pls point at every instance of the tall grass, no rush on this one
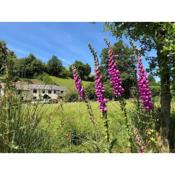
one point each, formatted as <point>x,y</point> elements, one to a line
<point>65,127</point>
<point>20,126</point>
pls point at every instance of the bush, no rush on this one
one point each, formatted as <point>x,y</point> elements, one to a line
<point>108,91</point>
<point>155,90</point>
<point>90,91</point>
<point>71,96</point>
<point>46,79</point>
<point>65,73</point>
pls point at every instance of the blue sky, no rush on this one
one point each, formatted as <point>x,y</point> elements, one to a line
<point>68,41</point>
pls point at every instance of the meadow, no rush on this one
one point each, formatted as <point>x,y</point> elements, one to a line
<point>71,130</point>
<point>66,127</point>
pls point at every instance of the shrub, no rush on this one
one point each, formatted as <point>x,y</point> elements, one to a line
<point>71,96</point>
<point>155,90</point>
<point>46,79</point>
<point>90,91</point>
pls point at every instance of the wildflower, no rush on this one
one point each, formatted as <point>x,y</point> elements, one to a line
<point>99,90</point>
<point>114,75</point>
<point>82,94</point>
<point>78,83</point>
<point>143,87</point>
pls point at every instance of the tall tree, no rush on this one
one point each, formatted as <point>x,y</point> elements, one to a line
<point>29,67</point>
<point>159,36</point>
<point>3,56</point>
<point>54,66</point>
<point>7,61</point>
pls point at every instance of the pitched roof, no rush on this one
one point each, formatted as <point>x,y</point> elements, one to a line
<point>39,87</point>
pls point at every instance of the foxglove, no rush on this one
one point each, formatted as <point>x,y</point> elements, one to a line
<point>78,83</point>
<point>143,87</point>
<point>99,88</point>
<point>114,75</point>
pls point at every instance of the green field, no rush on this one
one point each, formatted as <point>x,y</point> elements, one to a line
<point>64,127</point>
<point>48,79</point>
<point>71,120</point>
<point>69,83</point>
<point>72,131</point>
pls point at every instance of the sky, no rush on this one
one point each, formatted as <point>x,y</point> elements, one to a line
<point>68,41</point>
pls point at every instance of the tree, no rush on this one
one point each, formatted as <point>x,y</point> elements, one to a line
<point>151,79</point>
<point>7,61</point>
<point>84,70</point>
<point>3,56</point>
<point>161,37</point>
<point>65,73</point>
<point>126,61</point>
<point>29,67</point>
<point>54,66</point>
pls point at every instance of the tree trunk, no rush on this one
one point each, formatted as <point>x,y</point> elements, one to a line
<point>165,99</point>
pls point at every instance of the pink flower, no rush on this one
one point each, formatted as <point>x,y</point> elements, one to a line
<point>99,90</point>
<point>143,87</point>
<point>114,75</point>
<point>78,83</point>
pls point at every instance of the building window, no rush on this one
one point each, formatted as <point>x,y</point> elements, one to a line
<point>34,91</point>
<point>55,91</point>
<point>62,92</point>
<point>43,91</point>
<point>49,91</point>
<point>34,98</point>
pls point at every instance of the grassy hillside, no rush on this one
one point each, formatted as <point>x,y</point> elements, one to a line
<point>69,83</point>
<point>47,79</point>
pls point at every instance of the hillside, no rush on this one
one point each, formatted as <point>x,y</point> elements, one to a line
<point>69,83</point>
<point>47,79</point>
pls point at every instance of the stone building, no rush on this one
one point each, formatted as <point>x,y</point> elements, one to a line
<point>38,92</point>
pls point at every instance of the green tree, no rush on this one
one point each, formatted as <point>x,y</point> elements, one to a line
<point>126,61</point>
<point>161,37</point>
<point>4,52</point>
<point>151,79</point>
<point>7,61</point>
<point>29,67</point>
<point>54,66</point>
<point>84,70</point>
<point>65,73</point>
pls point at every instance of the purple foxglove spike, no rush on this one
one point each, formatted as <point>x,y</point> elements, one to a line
<point>114,75</point>
<point>99,88</point>
<point>143,87</point>
<point>78,83</point>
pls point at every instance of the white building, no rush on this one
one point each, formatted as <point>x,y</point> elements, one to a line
<point>37,92</point>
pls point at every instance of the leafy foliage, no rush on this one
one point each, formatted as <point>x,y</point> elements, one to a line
<point>29,67</point>
<point>54,66</point>
<point>160,37</point>
<point>84,70</point>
